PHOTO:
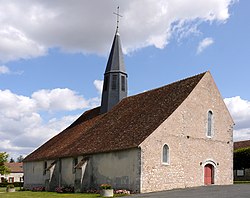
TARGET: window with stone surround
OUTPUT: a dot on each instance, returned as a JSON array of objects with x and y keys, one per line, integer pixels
[
  {"x": 209, "y": 123},
  {"x": 165, "y": 154}
]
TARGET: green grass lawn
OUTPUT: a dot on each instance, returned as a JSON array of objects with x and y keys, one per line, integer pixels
[{"x": 30, "y": 194}]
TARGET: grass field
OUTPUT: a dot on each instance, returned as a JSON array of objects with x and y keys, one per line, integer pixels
[{"x": 30, "y": 194}]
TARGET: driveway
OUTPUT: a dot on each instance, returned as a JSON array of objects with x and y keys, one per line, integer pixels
[{"x": 232, "y": 191}]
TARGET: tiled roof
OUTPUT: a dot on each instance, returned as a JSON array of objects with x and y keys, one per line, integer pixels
[
  {"x": 15, "y": 167},
  {"x": 241, "y": 144},
  {"x": 125, "y": 126}
]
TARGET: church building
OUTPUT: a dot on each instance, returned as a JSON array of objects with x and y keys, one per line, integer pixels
[{"x": 176, "y": 136}]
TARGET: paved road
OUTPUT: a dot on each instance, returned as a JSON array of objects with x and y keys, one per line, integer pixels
[{"x": 232, "y": 191}]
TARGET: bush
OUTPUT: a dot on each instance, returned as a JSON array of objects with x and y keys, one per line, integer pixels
[
  {"x": 16, "y": 184},
  {"x": 242, "y": 158},
  {"x": 106, "y": 186},
  {"x": 10, "y": 186},
  {"x": 65, "y": 189},
  {"x": 4, "y": 184},
  {"x": 38, "y": 189},
  {"x": 122, "y": 192}
]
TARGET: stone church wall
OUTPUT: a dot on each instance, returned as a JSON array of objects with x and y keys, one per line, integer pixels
[
  {"x": 33, "y": 176},
  {"x": 121, "y": 169},
  {"x": 189, "y": 147}
]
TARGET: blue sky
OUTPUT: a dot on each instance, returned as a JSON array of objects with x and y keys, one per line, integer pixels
[{"x": 53, "y": 56}]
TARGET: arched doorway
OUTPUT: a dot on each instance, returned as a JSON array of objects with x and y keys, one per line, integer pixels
[{"x": 208, "y": 174}]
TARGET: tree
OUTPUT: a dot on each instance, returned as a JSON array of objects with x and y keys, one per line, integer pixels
[
  {"x": 242, "y": 158},
  {"x": 19, "y": 159},
  {"x": 12, "y": 160},
  {"x": 3, "y": 159}
]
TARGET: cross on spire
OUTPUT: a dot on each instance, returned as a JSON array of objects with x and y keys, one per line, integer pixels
[{"x": 117, "y": 18}]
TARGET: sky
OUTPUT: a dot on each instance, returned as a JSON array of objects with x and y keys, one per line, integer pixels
[{"x": 53, "y": 56}]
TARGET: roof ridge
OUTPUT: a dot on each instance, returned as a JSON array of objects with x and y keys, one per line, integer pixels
[{"x": 158, "y": 88}]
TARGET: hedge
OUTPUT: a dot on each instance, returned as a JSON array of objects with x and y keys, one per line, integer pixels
[
  {"x": 242, "y": 158},
  {"x": 16, "y": 184}
]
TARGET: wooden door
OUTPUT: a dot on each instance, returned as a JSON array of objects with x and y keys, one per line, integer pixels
[{"x": 208, "y": 174}]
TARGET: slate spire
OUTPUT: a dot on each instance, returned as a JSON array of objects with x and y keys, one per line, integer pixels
[{"x": 115, "y": 77}]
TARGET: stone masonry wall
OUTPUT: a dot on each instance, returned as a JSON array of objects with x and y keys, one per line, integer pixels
[
  {"x": 190, "y": 149},
  {"x": 121, "y": 169}
]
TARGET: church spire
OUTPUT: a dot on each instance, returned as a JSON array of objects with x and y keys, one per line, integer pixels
[{"x": 115, "y": 76}]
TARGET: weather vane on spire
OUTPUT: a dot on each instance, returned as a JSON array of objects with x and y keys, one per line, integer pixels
[{"x": 117, "y": 18}]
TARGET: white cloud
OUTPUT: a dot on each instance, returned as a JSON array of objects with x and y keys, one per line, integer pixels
[
  {"x": 29, "y": 28},
  {"x": 240, "y": 111},
  {"x": 242, "y": 134},
  {"x": 14, "y": 44},
  {"x": 98, "y": 85},
  {"x": 206, "y": 42},
  {"x": 4, "y": 70},
  {"x": 59, "y": 99},
  {"x": 26, "y": 122}
]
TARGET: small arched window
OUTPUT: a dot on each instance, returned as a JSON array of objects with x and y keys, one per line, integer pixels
[
  {"x": 209, "y": 123},
  {"x": 165, "y": 154}
]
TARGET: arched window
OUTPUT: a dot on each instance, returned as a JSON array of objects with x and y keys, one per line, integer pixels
[
  {"x": 165, "y": 154},
  {"x": 209, "y": 123}
]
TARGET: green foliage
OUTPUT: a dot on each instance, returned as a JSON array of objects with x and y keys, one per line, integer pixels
[
  {"x": 10, "y": 186},
  {"x": 4, "y": 184},
  {"x": 4, "y": 158},
  {"x": 19, "y": 159},
  {"x": 242, "y": 158},
  {"x": 30, "y": 194},
  {"x": 241, "y": 182},
  {"x": 16, "y": 184},
  {"x": 106, "y": 186}
]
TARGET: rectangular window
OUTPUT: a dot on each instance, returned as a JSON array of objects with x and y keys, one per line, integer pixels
[
  {"x": 74, "y": 164},
  {"x": 60, "y": 165},
  {"x": 106, "y": 83},
  {"x": 240, "y": 173},
  {"x": 11, "y": 179},
  {"x": 45, "y": 166},
  {"x": 123, "y": 83},
  {"x": 114, "y": 82}
]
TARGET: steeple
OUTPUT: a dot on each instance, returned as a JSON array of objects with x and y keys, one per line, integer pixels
[{"x": 115, "y": 76}]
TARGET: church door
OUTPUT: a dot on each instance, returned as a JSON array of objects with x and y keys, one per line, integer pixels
[{"x": 209, "y": 174}]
